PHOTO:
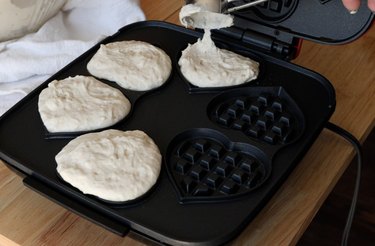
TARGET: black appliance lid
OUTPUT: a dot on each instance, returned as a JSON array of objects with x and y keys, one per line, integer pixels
[{"x": 323, "y": 21}]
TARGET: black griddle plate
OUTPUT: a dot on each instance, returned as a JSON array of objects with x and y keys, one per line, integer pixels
[{"x": 225, "y": 150}]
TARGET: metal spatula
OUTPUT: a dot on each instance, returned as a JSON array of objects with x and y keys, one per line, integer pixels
[{"x": 221, "y": 6}]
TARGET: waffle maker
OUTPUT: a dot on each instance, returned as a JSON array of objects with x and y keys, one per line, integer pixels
[{"x": 225, "y": 150}]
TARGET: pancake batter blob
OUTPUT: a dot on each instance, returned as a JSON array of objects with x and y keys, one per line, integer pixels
[
  {"x": 205, "y": 65},
  {"x": 113, "y": 165},
  {"x": 134, "y": 65},
  {"x": 81, "y": 103}
]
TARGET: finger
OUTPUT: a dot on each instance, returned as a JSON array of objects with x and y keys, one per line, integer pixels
[
  {"x": 352, "y": 5},
  {"x": 371, "y": 5}
]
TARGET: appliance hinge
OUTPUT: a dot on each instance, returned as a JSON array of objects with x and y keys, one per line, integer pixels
[{"x": 264, "y": 43}]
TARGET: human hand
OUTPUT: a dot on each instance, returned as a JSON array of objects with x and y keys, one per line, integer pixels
[{"x": 353, "y": 5}]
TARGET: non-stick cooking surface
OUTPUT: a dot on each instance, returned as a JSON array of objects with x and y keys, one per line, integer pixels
[{"x": 225, "y": 150}]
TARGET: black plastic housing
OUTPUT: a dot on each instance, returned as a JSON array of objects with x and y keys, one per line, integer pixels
[
  {"x": 177, "y": 114},
  {"x": 275, "y": 26}
]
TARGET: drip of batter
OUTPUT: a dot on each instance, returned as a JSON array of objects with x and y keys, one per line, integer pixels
[{"x": 205, "y": 65}]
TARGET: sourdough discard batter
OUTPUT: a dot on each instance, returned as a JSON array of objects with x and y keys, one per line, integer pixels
[
  {"x": 205, "y": 65},
  {"x": 81, "y": 103},
  {"x": 113, "y": 165},
  {"x": 134, "y": 65}
]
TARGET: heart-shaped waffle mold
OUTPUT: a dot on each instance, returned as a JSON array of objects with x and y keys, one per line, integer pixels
[
  {"x": 267, "y": 114},
  {"x": 205, "y": 166}
]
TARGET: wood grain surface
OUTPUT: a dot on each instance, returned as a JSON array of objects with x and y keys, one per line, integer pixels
[{"x": 26, "y": 218}]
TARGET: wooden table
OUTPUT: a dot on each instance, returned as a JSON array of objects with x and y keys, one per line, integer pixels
[{"x": 27, "y": 218}]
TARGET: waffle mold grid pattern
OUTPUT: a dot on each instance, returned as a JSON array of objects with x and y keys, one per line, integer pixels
[
  {"x": 206, "y": 167},
  {"x": 266, "y": 114}
]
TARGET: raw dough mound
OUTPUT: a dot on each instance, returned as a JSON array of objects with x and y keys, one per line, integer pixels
[
  {"x": 205, "y": 65},
  {"x": 134, "y": 65},
  {"x": 113, "y": 165},
  {"x": 81, "y": 103}
]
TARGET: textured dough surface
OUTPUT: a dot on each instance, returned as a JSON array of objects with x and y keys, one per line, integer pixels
[
  {"x": 134, "y": 65},
  {"x": 113, "y": 165},
  {"x": 81, "y": 103},
  {"x": 205, "y": 65}
]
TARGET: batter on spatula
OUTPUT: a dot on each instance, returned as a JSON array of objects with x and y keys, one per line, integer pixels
[{"x": 205, "y": 65}]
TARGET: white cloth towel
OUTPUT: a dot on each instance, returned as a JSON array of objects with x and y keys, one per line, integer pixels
[{"x": 28, "y": 61}]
